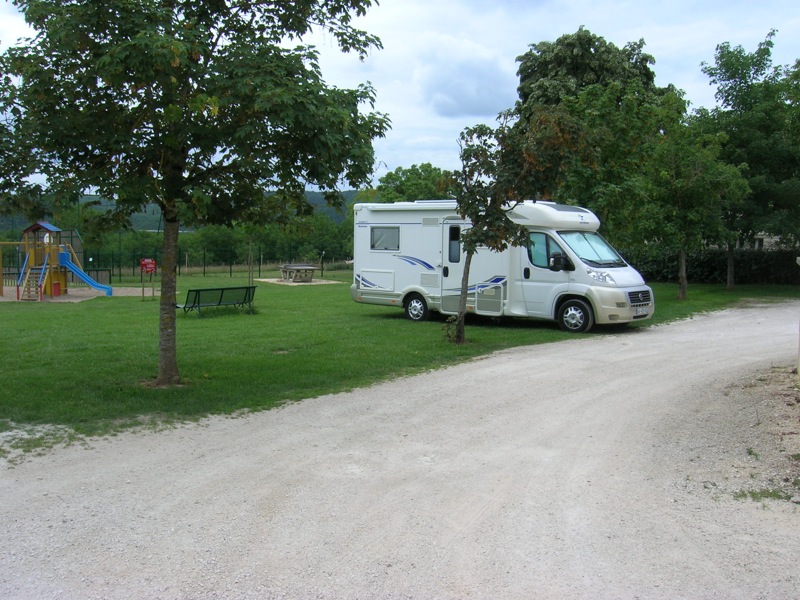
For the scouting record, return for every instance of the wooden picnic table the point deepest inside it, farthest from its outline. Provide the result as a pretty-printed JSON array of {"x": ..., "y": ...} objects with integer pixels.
[{"x": 298, "y": 273}]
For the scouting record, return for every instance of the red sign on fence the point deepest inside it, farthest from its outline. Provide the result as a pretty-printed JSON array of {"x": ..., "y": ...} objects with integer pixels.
[{"x": 148, "y": 265}]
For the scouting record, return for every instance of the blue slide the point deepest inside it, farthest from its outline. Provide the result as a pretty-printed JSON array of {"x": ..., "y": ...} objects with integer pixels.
[{"x": 65, "y": 261}]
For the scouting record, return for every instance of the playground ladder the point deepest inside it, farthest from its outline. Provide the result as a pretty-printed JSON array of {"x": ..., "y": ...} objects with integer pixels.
[{"x": 29, "y": 290}]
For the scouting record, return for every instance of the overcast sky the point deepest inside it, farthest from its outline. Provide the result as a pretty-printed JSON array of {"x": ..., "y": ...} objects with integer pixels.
[{"x": 450, "y": 64}]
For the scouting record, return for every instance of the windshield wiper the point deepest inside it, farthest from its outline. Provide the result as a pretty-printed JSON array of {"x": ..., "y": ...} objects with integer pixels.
[
  {"x": 602, "y": 263},
  {"x": 612, "y": 263}
]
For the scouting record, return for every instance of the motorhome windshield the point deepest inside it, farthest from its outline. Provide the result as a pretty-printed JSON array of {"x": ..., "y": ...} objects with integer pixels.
[{"x": 592, "y": 249}]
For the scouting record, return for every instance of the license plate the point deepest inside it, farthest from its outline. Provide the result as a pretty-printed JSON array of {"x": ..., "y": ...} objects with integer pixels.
[{"x": 642, "y": 310}]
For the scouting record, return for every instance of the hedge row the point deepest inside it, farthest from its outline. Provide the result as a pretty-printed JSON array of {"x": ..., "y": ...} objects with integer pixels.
[{"x": 711, "y": 266}]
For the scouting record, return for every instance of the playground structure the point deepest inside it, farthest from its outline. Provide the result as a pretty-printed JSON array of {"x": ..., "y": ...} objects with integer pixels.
[{"x": 47, "y": 265}]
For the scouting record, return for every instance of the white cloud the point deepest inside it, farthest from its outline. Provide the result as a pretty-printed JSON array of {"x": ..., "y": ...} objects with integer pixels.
[
  {"x": 450, "y": 64},
  {"x": 463, "y": 79}
]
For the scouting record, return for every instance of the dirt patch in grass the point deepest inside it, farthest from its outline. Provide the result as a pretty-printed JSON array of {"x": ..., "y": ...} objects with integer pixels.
[{"x": 771, "y": 464}]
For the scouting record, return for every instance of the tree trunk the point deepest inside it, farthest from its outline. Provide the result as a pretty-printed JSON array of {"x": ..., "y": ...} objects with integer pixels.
[
  {"x": 730, "y": 284},
  {"x": 683, "y": 282},
  {"x": 168, "y": 373},
  {"x": 461, "y": 335}
]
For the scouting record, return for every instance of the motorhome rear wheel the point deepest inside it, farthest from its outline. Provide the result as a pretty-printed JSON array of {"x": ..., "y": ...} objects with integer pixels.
[{"x": 416, "y": 308}]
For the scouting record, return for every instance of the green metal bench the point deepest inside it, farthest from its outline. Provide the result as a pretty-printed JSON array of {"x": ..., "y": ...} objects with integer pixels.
[{"x": 210, "y": 297}]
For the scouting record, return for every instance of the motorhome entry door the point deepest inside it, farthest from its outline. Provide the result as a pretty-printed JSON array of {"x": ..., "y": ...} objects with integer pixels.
[{"x": 452, "y": 266}]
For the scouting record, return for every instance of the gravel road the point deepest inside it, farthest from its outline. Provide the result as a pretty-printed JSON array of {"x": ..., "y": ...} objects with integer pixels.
[{"x": 601, "y": 467}]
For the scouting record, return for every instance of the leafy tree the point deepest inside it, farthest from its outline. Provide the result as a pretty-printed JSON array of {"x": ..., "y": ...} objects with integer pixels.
[
  {"x": 199, "y": 107},
  {"x": 690, "y": 191},
  {"x": 551, "y": 72},
  {"x": 620, "y": 124},
  {"x": 488, "y": 188},
  {"x": 314, "y": 235},
  {"x": 423, "y": 182},
  {"x": 760, "y": 115},
  {"x": 219, "y": 243},
  {"x": 552, "y": 141},
  {"x": 596, "y": 129},
  {"x": 140, "y": 243},
  {"x": 738, "y": 74},
  {"x": 587, "y": 111}
]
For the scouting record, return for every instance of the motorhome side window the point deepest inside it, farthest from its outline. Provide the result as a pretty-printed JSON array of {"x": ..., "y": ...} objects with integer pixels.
[
  {"x": 385, "y": 238},
  {"x": 454, "y": 245},
  {"x": 541, "y": 247}
]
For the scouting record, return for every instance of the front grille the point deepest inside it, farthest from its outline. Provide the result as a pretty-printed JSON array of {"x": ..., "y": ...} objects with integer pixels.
[{"x": 640, "y": 298}]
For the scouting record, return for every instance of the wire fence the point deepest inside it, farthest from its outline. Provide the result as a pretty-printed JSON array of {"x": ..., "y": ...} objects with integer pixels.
[{"x": 114, "y": 267}]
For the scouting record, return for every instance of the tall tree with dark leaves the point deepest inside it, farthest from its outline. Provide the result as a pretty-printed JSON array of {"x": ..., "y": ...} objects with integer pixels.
[
  {"x": 551, "y": 72},
  {"x": 587, "y": 109},
  {"x": 759, "y": 113},
  {"x": 690, "y": 190}
]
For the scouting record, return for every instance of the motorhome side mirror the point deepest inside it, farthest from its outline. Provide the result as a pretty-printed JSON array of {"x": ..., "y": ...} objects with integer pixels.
[{"x": 557, "y": 262}]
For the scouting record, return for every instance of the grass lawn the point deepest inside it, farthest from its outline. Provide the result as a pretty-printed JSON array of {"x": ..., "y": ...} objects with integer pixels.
[{"x": 82, "y": 365}]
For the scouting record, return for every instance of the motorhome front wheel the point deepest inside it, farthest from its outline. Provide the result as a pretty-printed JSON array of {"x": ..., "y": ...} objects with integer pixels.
[
  {"x": 575, "y": 316},
  {"x": 416, "y": 308}
]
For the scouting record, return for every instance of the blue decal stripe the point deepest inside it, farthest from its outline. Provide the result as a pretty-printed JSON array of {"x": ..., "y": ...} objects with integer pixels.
[
  {"x": 365, "y": 282},
  {"x": 415, "y": 261}
]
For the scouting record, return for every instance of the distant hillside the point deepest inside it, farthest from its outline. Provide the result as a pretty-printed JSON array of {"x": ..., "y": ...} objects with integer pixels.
[
  {"x": 337, "y": 216},
  {"x": 150, "y": 218}
]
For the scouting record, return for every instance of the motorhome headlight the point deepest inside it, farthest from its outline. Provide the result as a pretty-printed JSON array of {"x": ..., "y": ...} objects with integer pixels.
[{"x": 601, "y": 276}]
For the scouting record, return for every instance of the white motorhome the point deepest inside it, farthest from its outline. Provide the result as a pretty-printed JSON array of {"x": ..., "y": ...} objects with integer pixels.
[{"x": 409, "y": 254}]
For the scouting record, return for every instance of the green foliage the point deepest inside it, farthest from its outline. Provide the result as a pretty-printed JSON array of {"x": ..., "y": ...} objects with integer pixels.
[
  {"x": 709, "y": 265},
  {"x": 551, "y": 142},
  {"x": 487, "y": 189},
  {"x": 760, "y": 115},
  {"x": 620, "y": 123},
  {"x": 691, "y": 191},
  {"x": 587, "y": 113},
  {"x": 596, "y": 131},
  {"x": 423, "y": 182},
  {"x": 738, "y": 74},
  {"x": 190, "y": 106},
  {"x": 551, "y": 72}
]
